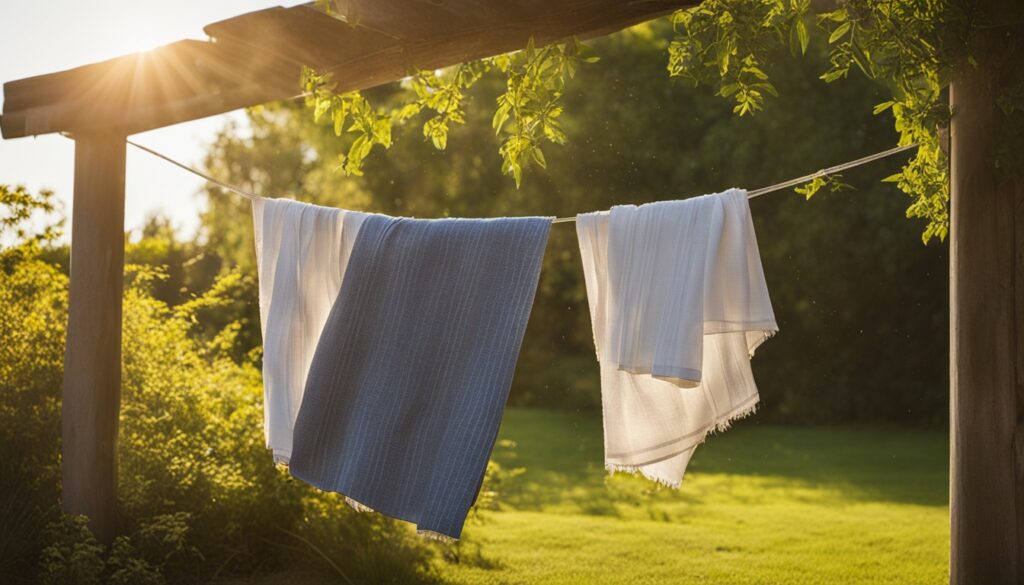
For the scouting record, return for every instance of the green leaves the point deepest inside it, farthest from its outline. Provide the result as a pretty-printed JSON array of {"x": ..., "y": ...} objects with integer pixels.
[
  {"x": 909, "y": 46},
  {"x": 19, "y": 222},
  {"x": 726, "y": 42},
  {"x": 840, "y": 32},
  {"x": 905, "y": 45},
  {"x": 527, "y": 113},
  {"x": 799, "y": 38},
  {"x": 833, "y": 182},
  {"x": 882, "y": 107},
  {"x": 925, "y": 178},
  {"x": 436, "y": 129},
  {"x": 369, "y": 126},
  {"x": 444, "y": 93}
]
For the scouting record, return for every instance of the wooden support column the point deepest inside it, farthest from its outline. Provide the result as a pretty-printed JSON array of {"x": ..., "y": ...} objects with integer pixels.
[
  {"x": 986, "y": 320},
  {"x": 92, "y": 358}
]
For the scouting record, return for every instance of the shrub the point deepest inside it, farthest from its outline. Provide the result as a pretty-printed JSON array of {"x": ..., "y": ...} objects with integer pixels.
[{"x": 199, "y": 497}]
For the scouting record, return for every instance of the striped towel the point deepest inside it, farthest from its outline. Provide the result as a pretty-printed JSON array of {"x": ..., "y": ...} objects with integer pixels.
[
  {"x": 410, "y": 377},
  {"x": 679, "y": 303},
  {"x": 301, "y": 254}
]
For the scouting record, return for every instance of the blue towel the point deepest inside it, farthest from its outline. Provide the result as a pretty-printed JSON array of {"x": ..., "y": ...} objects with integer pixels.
[{"x": 410, "y": 377}]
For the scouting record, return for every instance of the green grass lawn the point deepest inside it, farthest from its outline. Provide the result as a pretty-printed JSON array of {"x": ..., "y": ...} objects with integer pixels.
[{"x": 759, "y": 504}]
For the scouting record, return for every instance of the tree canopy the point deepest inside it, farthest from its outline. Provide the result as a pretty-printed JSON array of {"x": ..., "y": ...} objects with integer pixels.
[
  {"x": 637, "y": 137},
  {"x": 910, "y": 47}
]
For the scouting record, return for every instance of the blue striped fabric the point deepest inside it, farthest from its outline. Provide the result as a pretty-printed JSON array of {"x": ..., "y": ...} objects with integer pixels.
[{"x": 409, "y": 380}]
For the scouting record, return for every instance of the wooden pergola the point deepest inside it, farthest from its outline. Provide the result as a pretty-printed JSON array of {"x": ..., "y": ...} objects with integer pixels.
[{"x": 256, "y": 58}]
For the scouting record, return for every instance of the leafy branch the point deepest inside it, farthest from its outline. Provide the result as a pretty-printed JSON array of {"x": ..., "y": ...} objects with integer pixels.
[
  {"x": 833, "y": 182},
  {"x": 910, "y": 46},
  {"x": 727, "y": 41},
  {"x": 527, "y": 113},
  {"x": 529, "y": 109},
  {"x": 371, "y": 127},
  {"x": 26, "y": 223},
  {"x": 443, "y": 93}
]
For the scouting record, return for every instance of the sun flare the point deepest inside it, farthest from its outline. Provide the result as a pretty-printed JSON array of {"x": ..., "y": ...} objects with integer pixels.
[{"x": 145, "y": 35}]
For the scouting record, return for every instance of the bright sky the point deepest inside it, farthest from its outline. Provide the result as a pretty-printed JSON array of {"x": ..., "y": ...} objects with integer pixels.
[{"x": 44, "y": 37}]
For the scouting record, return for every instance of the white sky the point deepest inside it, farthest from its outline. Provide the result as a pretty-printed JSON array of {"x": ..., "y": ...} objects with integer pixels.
[{"x": 47, "y": 36}]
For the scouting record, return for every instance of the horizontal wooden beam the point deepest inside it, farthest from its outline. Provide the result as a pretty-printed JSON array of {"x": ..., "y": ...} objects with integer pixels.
[
  {"x": 182, "y": 81},
  {"x": 257, "y": 57}
]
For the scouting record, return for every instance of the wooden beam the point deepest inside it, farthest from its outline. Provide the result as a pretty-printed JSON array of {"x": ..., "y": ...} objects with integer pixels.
[
  {"x": 256, "y": 58},
  {"x": 92, "y": 359},
  {"x": 986, "y": 319},
  {"x": 424, "y": 34},
  {"x": 181, "y": 81}
]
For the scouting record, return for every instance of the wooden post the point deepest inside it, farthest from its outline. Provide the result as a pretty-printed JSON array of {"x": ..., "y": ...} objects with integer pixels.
[
  {"x": 986, "y": 321},
  {"x": 92, "y": 358}
]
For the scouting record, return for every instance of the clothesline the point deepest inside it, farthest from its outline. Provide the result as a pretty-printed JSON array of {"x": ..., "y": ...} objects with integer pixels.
[
  {"x": 368, "y": 318},
  {"x": 801, "y": 180},
  {"x": 750, "y": 194}
]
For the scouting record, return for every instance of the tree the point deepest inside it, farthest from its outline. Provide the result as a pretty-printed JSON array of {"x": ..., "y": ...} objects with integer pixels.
[
  {"x": 911, "y": 47},
  {"x": 914, "y": 49},
  {"x": 639, "y": 138}
]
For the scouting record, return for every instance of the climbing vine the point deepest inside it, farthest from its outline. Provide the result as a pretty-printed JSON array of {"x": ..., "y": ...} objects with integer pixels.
[
  {"x": 727, "y": 42},
  {"x": 526, "y": 116},
  {"x": 912, "y": 47}
]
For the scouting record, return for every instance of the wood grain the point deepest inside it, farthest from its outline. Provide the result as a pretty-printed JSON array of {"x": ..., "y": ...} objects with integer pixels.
[
  {"x": 257, "y": 57},
  {"x": 986, "y": 325},
  {"x": 92, "y": 359}
]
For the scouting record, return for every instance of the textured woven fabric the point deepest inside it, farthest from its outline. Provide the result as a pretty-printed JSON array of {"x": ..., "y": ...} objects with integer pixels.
[
  {"x": 410, "y": 378},
  {"x": 678, "y": 303},
  {"x": 301, "y": 254}
]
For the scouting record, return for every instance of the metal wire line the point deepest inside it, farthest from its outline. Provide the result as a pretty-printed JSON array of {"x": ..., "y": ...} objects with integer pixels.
[{"x": 750, "y": 194}]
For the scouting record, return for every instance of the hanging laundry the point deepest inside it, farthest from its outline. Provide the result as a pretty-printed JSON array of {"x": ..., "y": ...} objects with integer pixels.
[
  {"x": 678, "y": 304},
  {"x": 409, "y": 381},
  {"x": 301, "y": 254}
]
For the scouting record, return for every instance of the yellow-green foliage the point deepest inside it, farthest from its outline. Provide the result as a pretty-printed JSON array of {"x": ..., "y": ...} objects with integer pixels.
[
  {"x": 198, "y": 492},
  {"x": 760, "y": 505},
  {"x": 33, "y": 306},
  {"x": 526, "y": 115},
  {"x": 191, "y": 423},
  {"x": 199, "y": 496}
]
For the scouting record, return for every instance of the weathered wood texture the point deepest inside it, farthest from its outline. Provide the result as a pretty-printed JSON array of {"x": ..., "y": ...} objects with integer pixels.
[
  {"x": 92, "y": 360},
  {"x": 986, "y": 322},
  {"x": 257, "y": 57},
  {"x": 253, "y": 59}
]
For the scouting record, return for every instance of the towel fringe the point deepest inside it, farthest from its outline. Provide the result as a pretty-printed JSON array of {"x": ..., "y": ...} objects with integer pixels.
[
  {"x": 357, "y": 506},
  {"x": 427, "y": 534},
  {"x": 766, "y": 336},
  {"x": 718, "y": 426},
  {"x": 725, "y": 423},
  {"x": 614, "y": 468},
  {"x": 431, "y": 535}
]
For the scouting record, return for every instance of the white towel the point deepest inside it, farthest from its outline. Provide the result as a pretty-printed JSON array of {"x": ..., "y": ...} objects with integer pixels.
[
  {"x": 301, "y": 254},
  {"x": 678, "y": 304}
]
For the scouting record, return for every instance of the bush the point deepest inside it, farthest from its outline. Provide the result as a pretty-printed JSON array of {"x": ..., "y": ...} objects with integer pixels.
[
  {"x": 199, "y": 496},
  {"x": 33, "y": 309}
]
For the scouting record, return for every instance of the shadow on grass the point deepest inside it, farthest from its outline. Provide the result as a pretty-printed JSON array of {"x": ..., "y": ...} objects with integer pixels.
[{"x": 563, "y": 456}]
